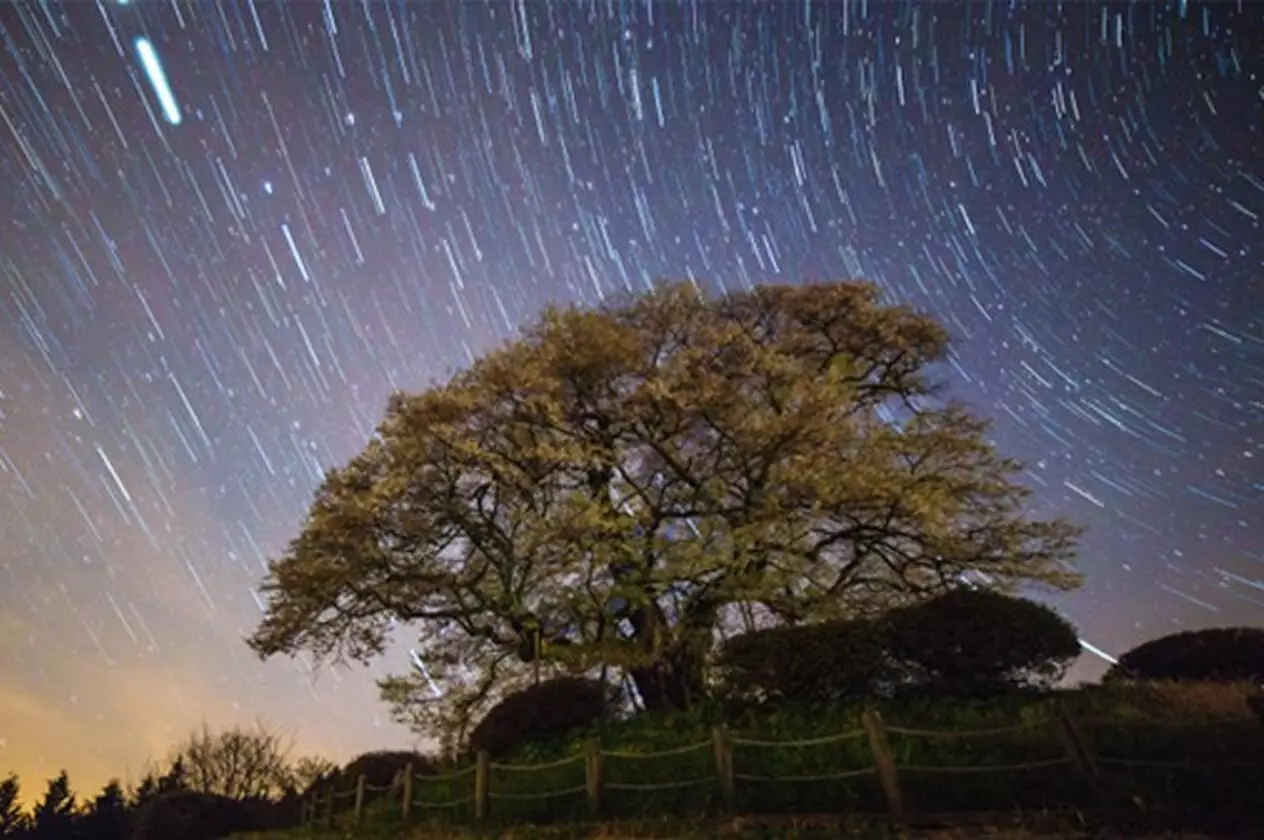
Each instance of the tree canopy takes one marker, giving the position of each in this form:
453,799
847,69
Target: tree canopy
620,483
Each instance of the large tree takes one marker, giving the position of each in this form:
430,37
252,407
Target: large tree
612,487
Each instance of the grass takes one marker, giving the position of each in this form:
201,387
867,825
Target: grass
1197,729
1015,827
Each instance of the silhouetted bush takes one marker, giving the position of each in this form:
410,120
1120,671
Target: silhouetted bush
808,664
548,710
189,815
1219,654
381,769
976,640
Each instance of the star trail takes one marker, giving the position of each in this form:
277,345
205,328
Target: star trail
230,229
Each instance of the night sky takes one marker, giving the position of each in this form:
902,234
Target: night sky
229,231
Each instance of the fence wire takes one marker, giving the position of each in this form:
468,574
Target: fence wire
803,742
702,776
688,748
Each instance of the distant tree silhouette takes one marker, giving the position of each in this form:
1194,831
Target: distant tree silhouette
54,817
1217,654
152,785
107,817
143,792
238,763
176,777
309,770
12,820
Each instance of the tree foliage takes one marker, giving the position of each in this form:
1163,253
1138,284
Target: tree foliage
238,763
12,820
607,490
1218,654
107,817
540,713
975,639
809,664
154,783
54,815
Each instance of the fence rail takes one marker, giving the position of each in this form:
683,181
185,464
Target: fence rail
472,787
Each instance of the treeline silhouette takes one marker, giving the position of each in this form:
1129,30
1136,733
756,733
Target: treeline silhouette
163,805
218,783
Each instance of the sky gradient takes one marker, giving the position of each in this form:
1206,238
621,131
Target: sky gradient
230,230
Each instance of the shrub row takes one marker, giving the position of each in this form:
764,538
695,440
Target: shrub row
968,641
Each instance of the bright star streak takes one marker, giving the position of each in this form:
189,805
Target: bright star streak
1098,652
158,78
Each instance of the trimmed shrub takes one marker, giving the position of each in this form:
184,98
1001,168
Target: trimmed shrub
971,640
542,712
1219,654
807,664
190,815
381,768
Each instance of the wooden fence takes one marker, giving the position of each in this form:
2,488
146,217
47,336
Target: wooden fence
477,796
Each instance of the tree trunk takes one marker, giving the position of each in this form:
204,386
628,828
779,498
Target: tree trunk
652,688
673,680
672,685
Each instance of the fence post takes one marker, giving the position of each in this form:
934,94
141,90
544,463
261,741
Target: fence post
592,774
482,767
329,806
406,805
884,763
1077,748
723,747
359,800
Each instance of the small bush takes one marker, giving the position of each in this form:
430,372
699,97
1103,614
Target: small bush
970,640
381,769
189,815
808,664
1219,654
540,713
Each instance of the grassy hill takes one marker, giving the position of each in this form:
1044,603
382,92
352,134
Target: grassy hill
1153,754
